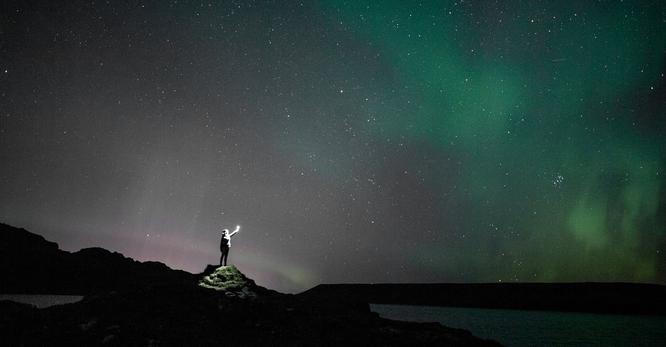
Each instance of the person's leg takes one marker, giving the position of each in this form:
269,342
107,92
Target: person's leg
225,254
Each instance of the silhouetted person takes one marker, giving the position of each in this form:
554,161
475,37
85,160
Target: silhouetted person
225,244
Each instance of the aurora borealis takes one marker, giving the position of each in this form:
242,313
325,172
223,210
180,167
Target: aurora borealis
354,141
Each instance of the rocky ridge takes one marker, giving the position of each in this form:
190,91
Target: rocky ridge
220,306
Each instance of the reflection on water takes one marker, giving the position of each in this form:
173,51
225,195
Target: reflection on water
41,301
539,328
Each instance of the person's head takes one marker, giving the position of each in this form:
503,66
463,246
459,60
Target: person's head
225,231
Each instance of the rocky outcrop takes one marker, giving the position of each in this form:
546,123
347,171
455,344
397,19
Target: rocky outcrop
229,280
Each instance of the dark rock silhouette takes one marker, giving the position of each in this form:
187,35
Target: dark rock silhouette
29,264
132,303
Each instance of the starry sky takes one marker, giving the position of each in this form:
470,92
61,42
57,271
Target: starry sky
353,141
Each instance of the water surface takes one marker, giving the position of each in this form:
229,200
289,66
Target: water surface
41,301
539,328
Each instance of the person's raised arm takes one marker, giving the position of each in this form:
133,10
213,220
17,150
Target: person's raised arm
235,230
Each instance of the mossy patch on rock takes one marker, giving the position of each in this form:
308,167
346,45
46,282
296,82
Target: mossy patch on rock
229,280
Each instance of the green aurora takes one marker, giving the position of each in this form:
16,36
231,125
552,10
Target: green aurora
559,179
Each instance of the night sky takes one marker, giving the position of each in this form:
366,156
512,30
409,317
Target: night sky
388,141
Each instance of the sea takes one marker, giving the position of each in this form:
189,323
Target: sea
41,301
539,328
